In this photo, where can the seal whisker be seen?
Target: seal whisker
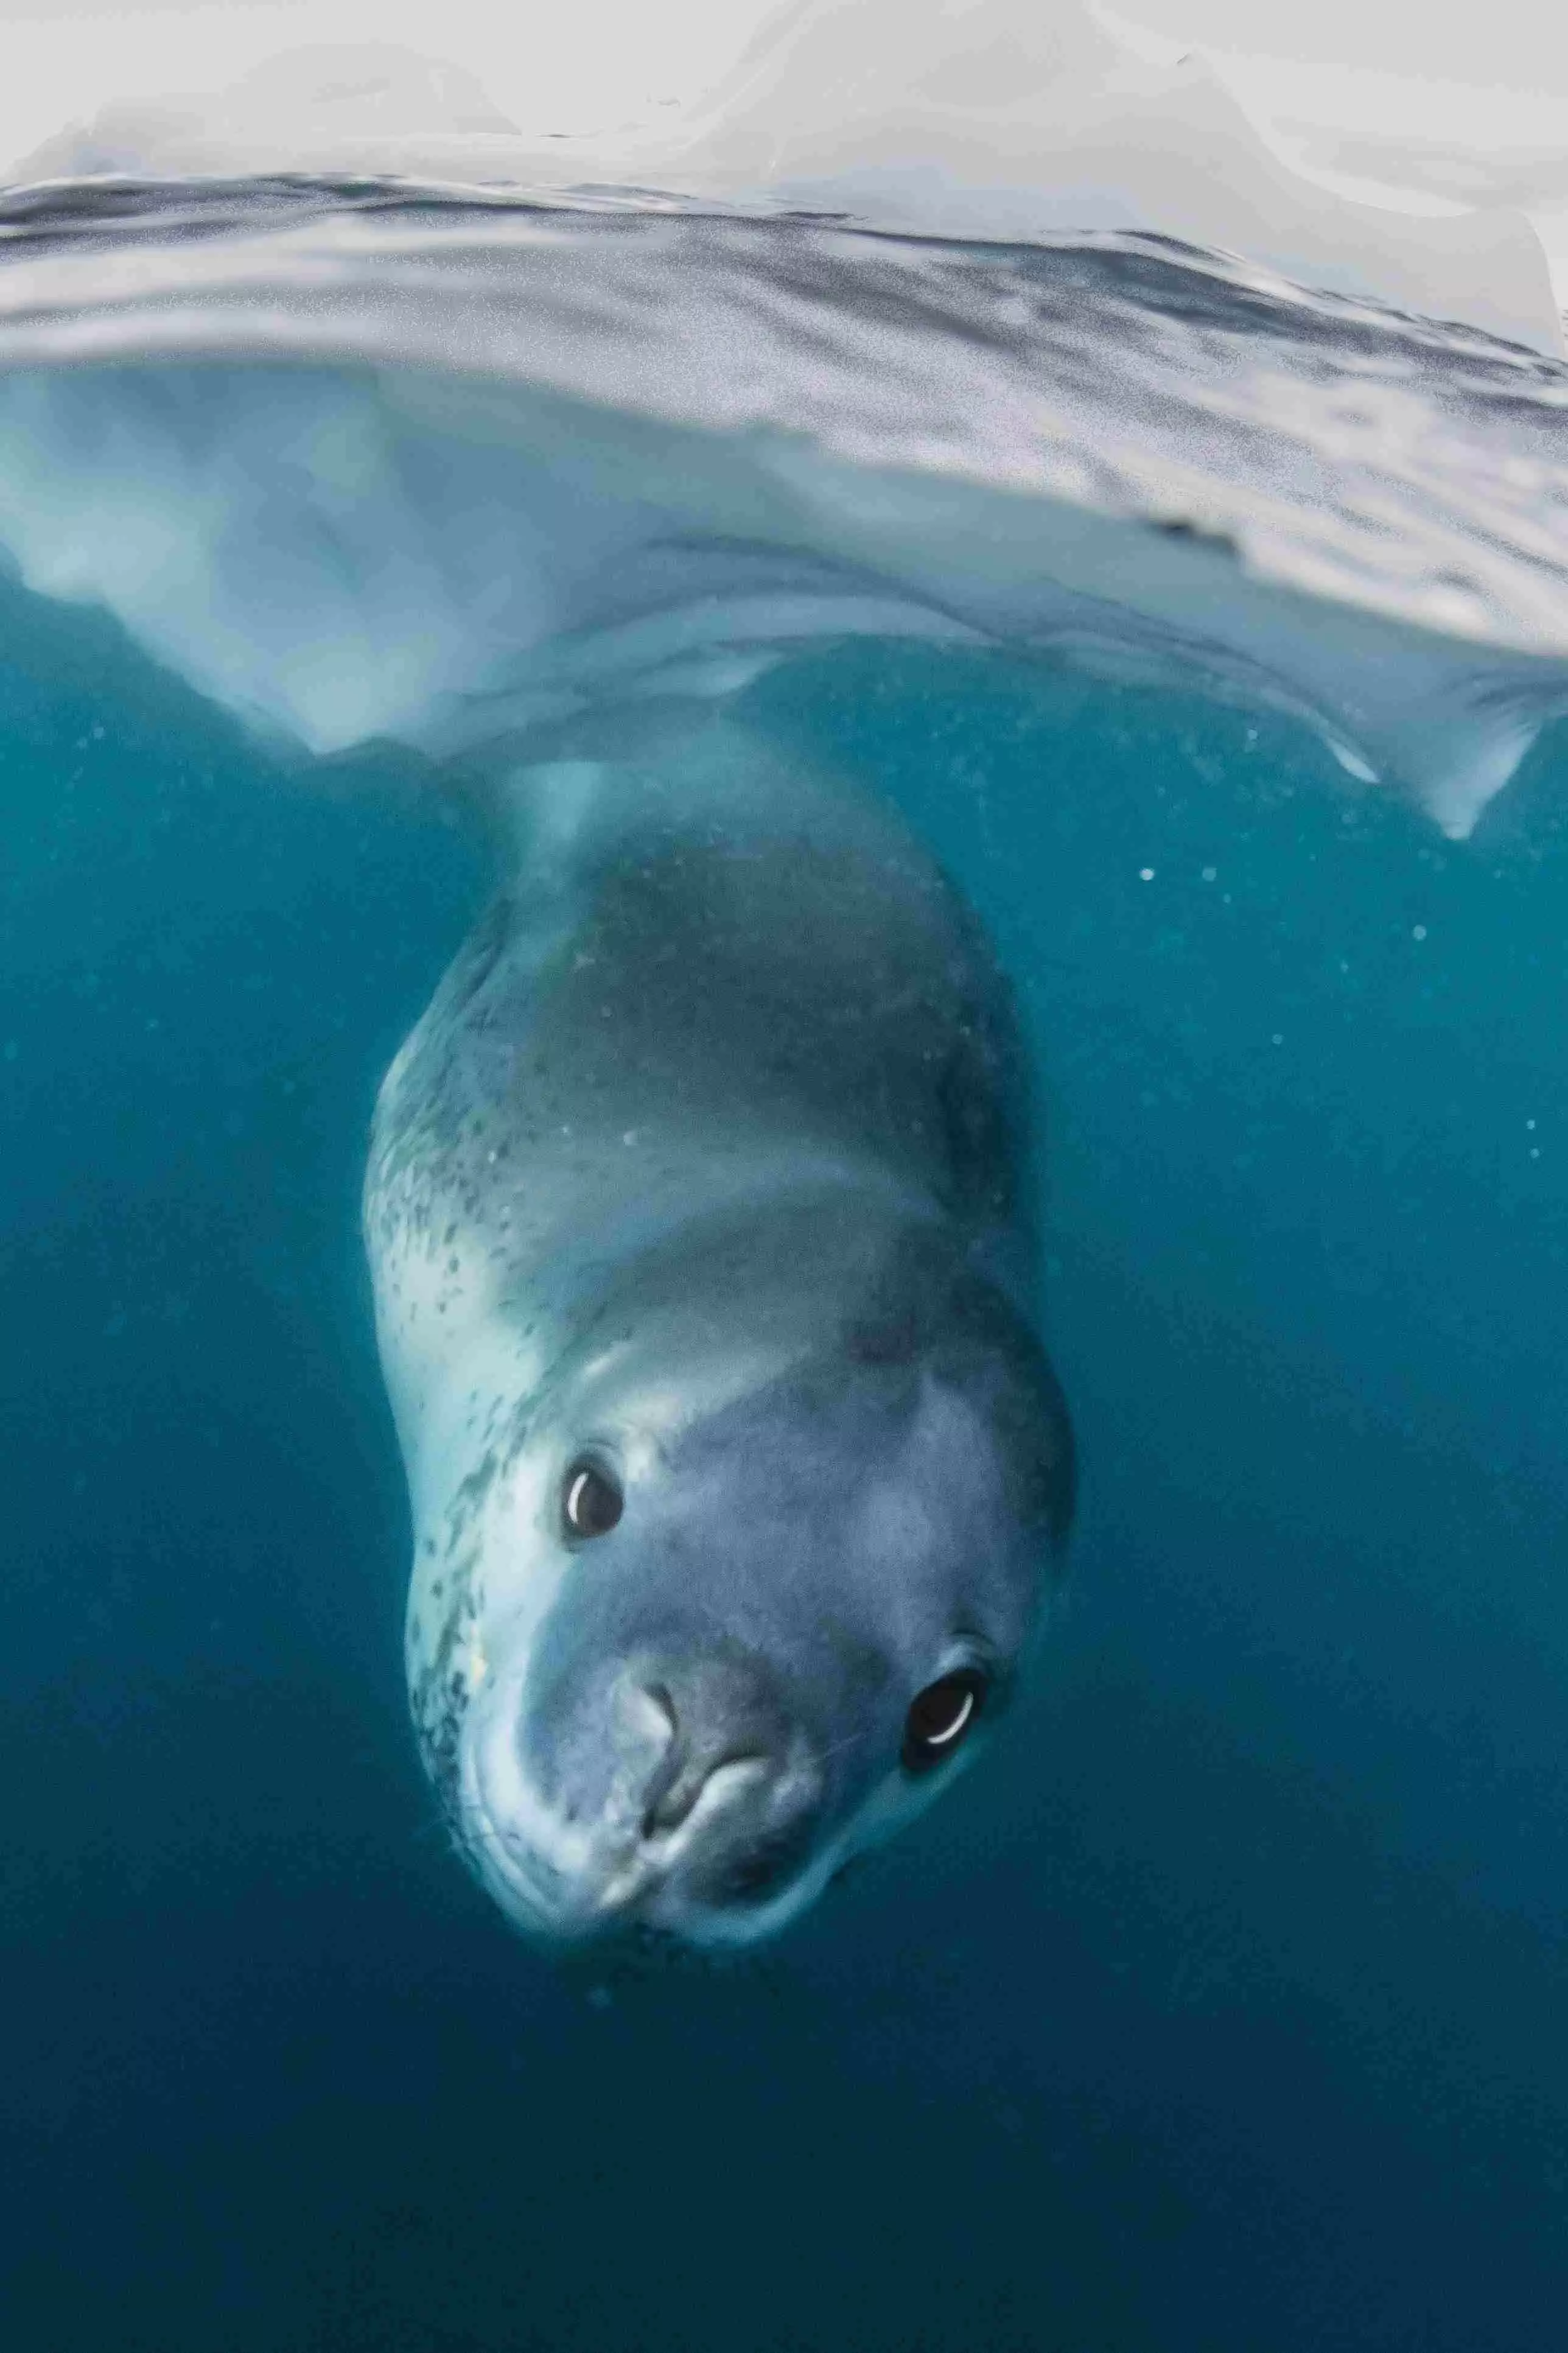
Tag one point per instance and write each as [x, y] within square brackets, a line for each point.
[856, 1740]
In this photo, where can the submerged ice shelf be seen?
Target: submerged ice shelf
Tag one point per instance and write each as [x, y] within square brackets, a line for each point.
[378, 457]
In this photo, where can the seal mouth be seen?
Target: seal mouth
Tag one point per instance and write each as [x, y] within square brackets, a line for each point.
[670, 1831]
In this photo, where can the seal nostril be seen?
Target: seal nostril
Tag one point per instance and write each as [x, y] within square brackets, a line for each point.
[667, 1773]
[658, 1696]
[681, 1781]
[664, 1809]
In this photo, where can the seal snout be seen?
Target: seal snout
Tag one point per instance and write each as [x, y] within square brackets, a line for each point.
[727, 1793]
[702, 1760]
[675, 1788]
[679, 1790]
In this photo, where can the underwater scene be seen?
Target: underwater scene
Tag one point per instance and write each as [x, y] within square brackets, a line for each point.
[783, 916]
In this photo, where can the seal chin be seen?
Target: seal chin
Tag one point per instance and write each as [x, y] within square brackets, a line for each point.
[705, 1831]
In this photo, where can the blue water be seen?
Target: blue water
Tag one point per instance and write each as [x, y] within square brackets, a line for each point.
[1222, 2009]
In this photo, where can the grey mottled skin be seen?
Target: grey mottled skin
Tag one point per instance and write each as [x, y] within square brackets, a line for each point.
[709, 1164]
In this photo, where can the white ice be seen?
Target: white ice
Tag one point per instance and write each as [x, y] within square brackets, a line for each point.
[988, 117]
[505, 469]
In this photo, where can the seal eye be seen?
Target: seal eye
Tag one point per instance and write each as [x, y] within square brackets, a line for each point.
[940, 1718]
[590, 1502]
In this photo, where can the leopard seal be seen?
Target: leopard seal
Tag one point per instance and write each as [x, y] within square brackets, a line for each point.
[700, 1217]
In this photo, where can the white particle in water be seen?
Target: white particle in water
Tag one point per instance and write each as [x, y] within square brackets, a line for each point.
[1211, 873]
[1418, 932]
[1277, 1039]
[1145, 874]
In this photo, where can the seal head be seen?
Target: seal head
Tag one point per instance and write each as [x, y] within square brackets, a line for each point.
[789, 1593]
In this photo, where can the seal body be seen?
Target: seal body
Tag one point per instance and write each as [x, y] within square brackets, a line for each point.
[698, 1212]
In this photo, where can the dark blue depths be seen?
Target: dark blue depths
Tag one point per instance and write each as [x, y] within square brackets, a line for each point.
[1222, 2009]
